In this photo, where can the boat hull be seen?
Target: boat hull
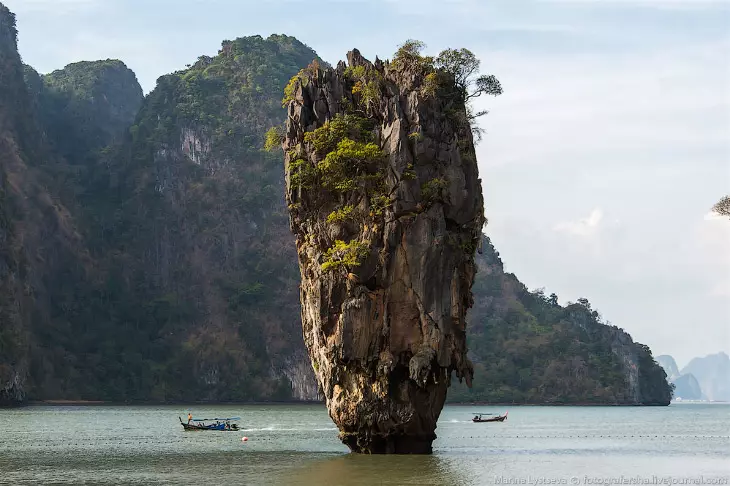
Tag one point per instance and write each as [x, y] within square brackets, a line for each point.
[501, 418]
[222, 427]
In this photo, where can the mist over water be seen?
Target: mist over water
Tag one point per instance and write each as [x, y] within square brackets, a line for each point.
[297, 444]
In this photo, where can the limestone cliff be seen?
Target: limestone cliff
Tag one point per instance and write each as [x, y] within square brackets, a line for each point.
[38, 239]
[13, 346]
[386, 204]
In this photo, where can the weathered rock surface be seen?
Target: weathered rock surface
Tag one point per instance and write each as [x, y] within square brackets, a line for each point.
[385, 334]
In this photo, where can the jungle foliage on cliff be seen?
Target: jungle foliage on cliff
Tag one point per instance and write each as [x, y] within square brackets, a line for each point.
[145, 251]
[526, 348]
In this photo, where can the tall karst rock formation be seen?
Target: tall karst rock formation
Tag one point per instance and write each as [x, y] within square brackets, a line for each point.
[386, 204]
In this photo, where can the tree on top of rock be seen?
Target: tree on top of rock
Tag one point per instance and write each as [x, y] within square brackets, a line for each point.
[454, 69]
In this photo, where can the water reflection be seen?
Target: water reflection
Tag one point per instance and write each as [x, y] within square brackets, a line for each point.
[360, 469]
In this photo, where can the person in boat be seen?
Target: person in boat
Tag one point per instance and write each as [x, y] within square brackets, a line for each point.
[190, 417]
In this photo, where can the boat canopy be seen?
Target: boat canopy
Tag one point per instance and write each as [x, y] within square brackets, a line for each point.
[208, 420]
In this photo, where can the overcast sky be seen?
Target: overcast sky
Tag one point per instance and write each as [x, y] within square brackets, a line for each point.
[603, 156]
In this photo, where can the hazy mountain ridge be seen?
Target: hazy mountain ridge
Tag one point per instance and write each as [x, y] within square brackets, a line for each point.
[670, 366]
[713, 374]
[687, 387]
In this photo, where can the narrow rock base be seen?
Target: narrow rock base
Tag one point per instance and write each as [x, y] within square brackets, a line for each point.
[389, 445]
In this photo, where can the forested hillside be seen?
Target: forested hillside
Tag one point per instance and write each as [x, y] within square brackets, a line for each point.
[145, 250]
[526, 348]
[193, 295]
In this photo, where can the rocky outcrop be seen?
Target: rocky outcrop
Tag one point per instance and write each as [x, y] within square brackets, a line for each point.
[386, 204]
[670, 366]
[713, 374]
[687, 387]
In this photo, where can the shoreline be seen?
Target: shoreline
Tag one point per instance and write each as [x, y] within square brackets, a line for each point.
[96, 403]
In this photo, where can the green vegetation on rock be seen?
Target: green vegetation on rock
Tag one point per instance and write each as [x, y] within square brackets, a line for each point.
[345, 255]
[454, 74]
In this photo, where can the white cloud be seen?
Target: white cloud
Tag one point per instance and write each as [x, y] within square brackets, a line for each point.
[713, 237]
[568, 105]
[714, 216]
[584, 227]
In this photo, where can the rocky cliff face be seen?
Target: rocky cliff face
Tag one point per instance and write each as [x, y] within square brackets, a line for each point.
[188, 222]
[13, 352]
[386, 204]
[38, 239]
[670, 366]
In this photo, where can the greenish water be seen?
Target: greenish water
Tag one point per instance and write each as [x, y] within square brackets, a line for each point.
[298, 445]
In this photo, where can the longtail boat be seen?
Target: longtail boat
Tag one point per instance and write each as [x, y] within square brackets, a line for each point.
[217, 424]
[498, 418]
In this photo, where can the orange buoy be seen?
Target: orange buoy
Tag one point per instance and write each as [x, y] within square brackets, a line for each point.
[244, 439]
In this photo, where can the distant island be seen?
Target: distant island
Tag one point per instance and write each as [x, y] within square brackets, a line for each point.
[145, 251]
[703, 379]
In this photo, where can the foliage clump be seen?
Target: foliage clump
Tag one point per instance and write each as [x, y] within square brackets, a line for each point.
[434, 190]
[722, 207]
[367, 87]
[409, 173]
[303, 174]
[341, 215]
[345, 255]
[325, 138]
[351, 165]
[349, 160]
[273, 138]
[409, 57]
[290, 88]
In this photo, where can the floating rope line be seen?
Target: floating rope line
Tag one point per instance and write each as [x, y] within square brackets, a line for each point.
[594, 437]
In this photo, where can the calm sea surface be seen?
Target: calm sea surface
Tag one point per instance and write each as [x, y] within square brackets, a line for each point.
[298, 445]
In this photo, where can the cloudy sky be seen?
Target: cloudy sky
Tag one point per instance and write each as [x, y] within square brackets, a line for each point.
[603, 156]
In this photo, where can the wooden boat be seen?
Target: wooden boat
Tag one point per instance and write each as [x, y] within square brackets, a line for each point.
[218, 424]
[498, 418]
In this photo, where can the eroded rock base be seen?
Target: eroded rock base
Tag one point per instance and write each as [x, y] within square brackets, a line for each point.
[393, 444]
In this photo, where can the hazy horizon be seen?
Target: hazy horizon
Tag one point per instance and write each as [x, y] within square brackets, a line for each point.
[601, 160]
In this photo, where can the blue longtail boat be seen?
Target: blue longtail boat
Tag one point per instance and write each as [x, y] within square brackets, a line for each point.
[217, 424]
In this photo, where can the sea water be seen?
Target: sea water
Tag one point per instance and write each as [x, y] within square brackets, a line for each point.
[298, 445]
